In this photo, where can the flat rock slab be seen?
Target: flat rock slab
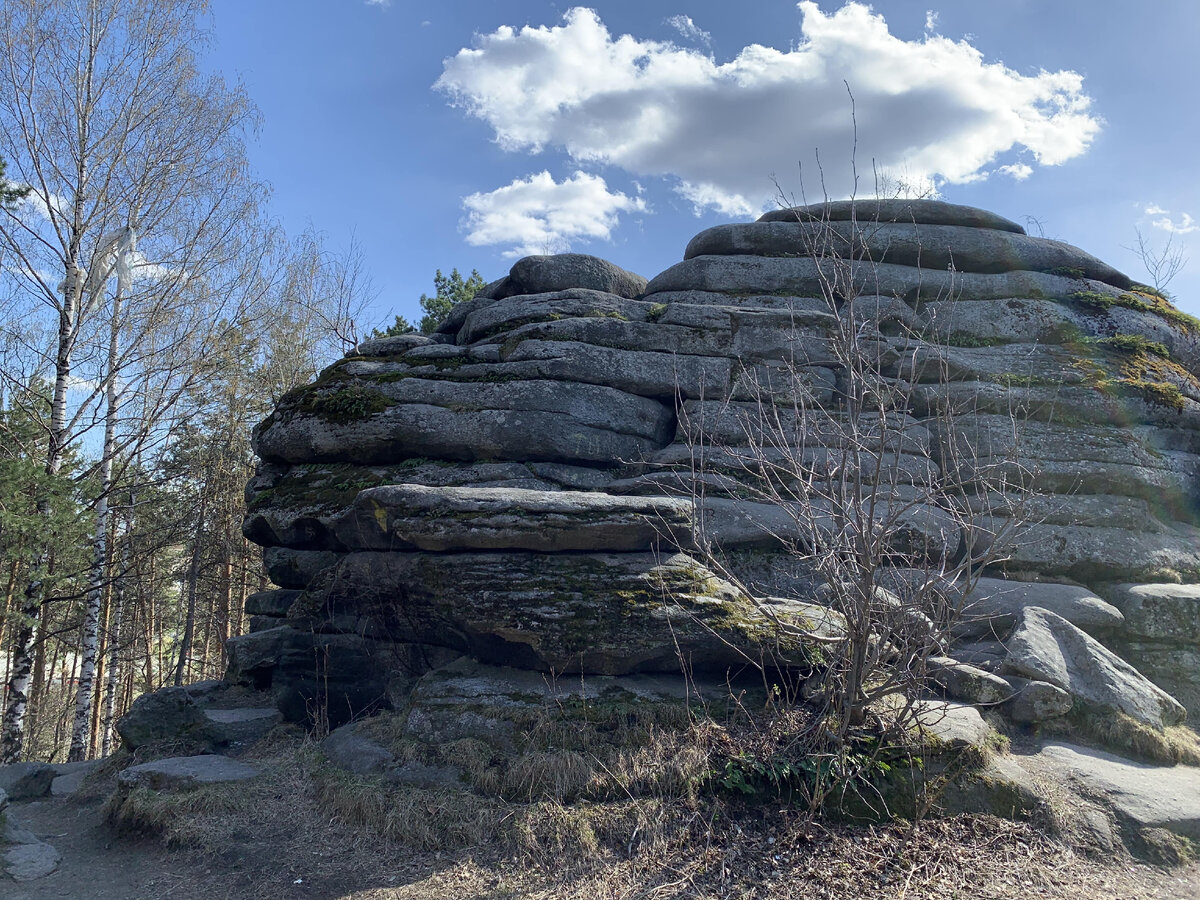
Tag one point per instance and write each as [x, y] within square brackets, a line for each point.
[71, 776]
[1164, 612]
[995, 604]
[1046, 647]
[413, 516]
[185, 772]
[1150, 796]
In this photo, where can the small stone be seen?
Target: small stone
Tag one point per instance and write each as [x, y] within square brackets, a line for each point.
[28, 862]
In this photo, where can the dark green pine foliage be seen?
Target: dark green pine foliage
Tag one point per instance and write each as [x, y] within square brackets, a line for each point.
[449, 291]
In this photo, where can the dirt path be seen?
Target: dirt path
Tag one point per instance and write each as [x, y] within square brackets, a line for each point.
[335, 863]
[94, 866]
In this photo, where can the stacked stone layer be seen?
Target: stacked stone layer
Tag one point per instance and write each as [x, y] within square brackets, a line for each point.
[522, 486]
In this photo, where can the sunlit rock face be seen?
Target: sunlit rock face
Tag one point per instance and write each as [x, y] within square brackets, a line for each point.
[547, 482]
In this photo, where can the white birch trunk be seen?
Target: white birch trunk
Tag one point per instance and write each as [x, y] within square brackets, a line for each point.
[114, 649]
[81, 729]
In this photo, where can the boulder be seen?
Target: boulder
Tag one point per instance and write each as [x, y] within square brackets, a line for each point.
[1162, 612]
[1046, 647]
[967, 683]
[953, 727]
[205, 715]
[542, 274]
[347, 748]
[27, 780]
[1034, 702]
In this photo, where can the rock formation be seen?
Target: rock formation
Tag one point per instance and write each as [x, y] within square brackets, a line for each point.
[523, 487]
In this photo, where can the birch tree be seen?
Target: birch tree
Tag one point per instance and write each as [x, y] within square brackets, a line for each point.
[108, 121]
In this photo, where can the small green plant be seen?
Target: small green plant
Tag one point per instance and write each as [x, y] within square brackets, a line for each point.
[354, 401]
[656, 312]
[1067, 271]
[1132, 343]
[1141, 301]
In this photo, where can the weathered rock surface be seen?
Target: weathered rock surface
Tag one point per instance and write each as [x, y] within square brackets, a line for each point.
[211, 715]
[995, 605]
[414, 517]
[1142, 795]
[605, 614]
[1046, 647]
[27, 780]
[501, 489]
[520, 420]
[182, 773]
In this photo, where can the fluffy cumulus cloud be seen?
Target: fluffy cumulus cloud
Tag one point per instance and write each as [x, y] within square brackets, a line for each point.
[929, 111]
[540, 215]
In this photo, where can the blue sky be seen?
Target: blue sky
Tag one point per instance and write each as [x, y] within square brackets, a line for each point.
[461, 133]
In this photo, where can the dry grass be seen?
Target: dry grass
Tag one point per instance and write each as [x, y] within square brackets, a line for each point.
[1119, 733]
[352, 837]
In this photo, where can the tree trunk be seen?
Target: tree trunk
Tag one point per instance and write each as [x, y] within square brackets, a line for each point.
[114, 648]
[189, 625]
[81, 730]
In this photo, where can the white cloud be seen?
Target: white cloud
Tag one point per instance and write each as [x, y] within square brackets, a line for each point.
[1181, 224]
[382, 4]
[40, 205]
[931, 20]
[690, 30]
[540, 215]
[1017, 171]
[931, 108]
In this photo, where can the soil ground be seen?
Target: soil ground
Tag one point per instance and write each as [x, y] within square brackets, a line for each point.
[292, 853]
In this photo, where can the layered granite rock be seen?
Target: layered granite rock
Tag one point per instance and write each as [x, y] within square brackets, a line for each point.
[547, 481]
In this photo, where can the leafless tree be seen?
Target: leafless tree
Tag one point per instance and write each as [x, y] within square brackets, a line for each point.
[868, 484]
[1163, 263]
[106, 117]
